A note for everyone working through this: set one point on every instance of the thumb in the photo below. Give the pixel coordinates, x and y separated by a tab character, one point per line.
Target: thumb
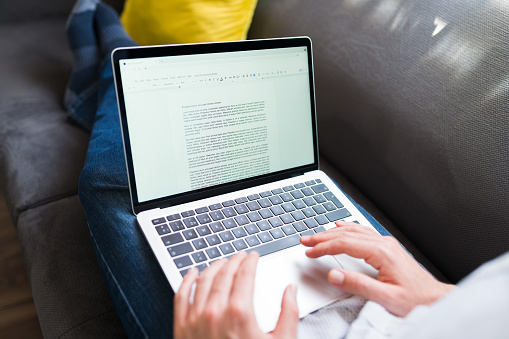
289	317
358	283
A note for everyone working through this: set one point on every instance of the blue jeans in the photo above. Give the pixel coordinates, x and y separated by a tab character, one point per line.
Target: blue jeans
140	291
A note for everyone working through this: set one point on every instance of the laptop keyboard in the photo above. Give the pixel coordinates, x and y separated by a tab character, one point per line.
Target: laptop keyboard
266	222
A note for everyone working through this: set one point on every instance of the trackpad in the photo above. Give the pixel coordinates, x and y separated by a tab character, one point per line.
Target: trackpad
275	272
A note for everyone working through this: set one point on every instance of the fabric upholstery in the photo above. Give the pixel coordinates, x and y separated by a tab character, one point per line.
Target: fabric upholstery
68	289
416	95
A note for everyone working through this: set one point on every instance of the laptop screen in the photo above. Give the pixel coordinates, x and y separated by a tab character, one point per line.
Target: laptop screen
201	120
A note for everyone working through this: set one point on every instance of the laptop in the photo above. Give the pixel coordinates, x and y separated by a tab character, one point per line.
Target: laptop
221	151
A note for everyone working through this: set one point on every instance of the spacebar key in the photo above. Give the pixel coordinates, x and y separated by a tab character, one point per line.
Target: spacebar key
276	245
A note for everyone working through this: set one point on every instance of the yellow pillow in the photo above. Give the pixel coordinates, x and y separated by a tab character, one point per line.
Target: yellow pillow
156	22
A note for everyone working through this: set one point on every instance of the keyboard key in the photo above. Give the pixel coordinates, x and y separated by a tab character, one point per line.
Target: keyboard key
265	194
338	214
201	267
199	257
333	198
309	201
287	218
204	219
288	229
310	183
311	223
253	241
266	213
202	210
172	239
264	237
286	197
242	220
239	232
329	206
299	226
184	272
203	230
178	250
308	212
213	252
307	191
190	222
254	216
277	191
264	203
319	198
229	223
319	229
239	245
277	233
277	245
275	222
253	206
297	194
158	221
251	229
226	236
177	225
226	248
217	215
216	227
299	185
298	215
288	207
319	209
308	232
229	212
288	188
190	234
263	225
213	240
320	188
173	217
253	197
275	200
318	181
199	243
187	214
214	207
321	219
163	229
241	209
183	261
228	203
277	210
241	200
299	204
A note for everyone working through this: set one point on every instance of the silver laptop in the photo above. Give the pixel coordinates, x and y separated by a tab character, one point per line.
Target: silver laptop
221	150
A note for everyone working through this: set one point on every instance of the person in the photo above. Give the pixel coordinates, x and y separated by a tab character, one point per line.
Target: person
403	299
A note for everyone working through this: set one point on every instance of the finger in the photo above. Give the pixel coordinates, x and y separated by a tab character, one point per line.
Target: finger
243	285
204	284
181	298
289	318
221	289
360	231
363	285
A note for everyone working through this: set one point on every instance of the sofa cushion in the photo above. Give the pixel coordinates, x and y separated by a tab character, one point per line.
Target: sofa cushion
412	108
68	289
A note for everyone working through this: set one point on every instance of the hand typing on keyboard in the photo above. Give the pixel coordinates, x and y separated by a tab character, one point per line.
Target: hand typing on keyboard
401	284
223	303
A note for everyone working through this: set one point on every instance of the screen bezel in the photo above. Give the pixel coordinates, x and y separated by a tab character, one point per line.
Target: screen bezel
206	48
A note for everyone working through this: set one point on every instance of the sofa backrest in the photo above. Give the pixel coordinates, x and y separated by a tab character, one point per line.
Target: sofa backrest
412	105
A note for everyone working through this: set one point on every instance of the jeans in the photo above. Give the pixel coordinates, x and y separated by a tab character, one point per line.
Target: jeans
140	291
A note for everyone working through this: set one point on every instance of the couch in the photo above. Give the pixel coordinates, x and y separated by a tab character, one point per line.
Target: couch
412	100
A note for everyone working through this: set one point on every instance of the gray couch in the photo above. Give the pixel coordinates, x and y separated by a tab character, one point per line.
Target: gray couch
412	101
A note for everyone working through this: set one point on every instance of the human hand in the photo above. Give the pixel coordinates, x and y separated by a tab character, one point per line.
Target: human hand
223	303
401	284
